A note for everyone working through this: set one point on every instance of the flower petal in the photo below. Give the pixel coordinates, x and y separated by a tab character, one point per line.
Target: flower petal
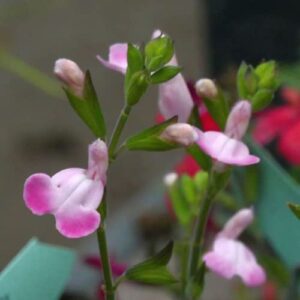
117	58
238	120
78	222
237	223
77	217
98	160
274	122
230	257
40	194
226	150
175	99
289	144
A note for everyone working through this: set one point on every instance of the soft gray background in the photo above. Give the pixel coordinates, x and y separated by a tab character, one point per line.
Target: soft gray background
40	133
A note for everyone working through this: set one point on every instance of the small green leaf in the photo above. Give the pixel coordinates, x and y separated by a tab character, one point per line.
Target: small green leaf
158	52
153	270
164	74
87	107
295	208
149	139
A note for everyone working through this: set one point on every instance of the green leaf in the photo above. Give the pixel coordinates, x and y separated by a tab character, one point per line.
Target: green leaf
149	139
158	52
153	270
295	208
164	74
87	107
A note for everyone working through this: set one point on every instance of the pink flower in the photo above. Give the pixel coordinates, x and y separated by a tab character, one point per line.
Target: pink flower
230	257
69	73
71	195
174	96
117	58
226	147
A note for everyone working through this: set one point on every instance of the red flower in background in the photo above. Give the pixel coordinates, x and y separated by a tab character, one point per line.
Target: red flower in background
269	291
282	123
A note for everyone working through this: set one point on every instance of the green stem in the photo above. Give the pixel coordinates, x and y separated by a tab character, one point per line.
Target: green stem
216	183
118	130
109	286
102	241
198	236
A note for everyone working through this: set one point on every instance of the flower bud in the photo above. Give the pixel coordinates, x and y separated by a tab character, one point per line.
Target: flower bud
238	120
170	179
69	73
206	88
180	133
238	223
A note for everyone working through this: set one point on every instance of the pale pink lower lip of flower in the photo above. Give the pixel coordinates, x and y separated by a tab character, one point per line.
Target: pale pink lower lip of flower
226	150
71	195
230	257
117	58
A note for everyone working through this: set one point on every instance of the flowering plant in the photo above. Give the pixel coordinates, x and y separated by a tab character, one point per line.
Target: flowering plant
77	197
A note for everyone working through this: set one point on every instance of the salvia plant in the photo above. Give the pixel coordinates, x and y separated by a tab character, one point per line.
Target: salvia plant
77	197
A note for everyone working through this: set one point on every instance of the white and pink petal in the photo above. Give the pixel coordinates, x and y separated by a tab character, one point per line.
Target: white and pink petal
225	149
117	58
230	257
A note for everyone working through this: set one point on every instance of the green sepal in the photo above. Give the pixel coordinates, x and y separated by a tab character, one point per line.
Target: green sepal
87	107
241	86
180	206
158	52
136	87
153	270
164	74
149	139
201	158
262	99
295	208
218	108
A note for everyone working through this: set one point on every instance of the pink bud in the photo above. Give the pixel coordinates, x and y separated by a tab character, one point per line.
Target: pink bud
69	73
180	133
237	223
206	88
238	120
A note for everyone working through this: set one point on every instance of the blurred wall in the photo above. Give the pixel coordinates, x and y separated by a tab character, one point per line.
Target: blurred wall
40	133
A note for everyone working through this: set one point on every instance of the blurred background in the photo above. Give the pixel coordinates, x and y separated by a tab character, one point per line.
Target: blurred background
39	131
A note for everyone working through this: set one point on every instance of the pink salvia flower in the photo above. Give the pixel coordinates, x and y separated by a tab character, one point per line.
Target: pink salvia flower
226	147
117	58
230	257
69	73
71	195
174	96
